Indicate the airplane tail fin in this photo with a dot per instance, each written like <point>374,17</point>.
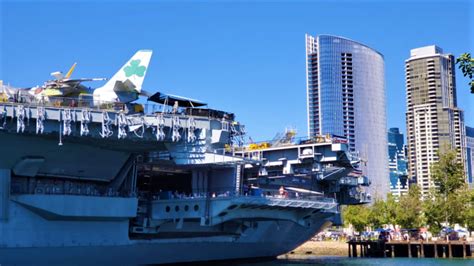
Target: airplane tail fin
<point>69,73</point>
<point>58,75</point>
<point>131,75</point>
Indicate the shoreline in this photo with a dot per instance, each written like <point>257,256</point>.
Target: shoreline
<point>327,248</point>
<point>320,249</point>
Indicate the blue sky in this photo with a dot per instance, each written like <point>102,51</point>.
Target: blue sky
<point>244,57</point>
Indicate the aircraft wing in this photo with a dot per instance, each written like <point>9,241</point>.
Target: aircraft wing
<point>81,80</point>
<point>72,82</point>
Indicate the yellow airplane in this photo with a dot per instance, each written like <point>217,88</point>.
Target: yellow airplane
<point>63,86</point>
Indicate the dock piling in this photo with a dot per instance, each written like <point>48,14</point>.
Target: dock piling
<point>464,249</point>
<point>450,250</point>
<point>422,255</point>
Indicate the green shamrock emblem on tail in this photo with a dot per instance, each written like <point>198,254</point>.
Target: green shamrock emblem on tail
<point>134,69</point>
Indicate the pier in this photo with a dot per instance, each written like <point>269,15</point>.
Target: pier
<point>410,249</point>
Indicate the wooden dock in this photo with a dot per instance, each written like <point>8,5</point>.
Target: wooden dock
<point>410,249</point>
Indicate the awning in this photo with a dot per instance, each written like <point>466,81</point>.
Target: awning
<point>170,100</point>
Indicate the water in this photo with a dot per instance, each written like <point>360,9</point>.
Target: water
<point>343,261</point>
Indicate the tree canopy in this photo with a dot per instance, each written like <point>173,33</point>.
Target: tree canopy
<point>450,201</point>
<point>410,209</point>
<point>357,215</point>
<point>466,64</point>
<point>447,202</point>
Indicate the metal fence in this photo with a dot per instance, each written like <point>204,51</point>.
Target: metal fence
<point>226,192</point>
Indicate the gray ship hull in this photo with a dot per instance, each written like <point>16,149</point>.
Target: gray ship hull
<point>141,197</point>
<point>269,239</point>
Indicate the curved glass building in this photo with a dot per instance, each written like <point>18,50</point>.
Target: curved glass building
<point>346,97</point>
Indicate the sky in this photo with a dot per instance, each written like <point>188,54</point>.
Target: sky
<point>239,56</point>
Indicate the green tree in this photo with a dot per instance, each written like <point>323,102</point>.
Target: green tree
<point>357,215</point>
<point>391,208</point>
<point>376,214</point>
<point>449,209</point>
<point>409,213</point>
<point>383,212</point>
<point>466,64</point>
<point>469,213</point>
<point>448,172</point>
<point>447,202</point>
<point>434,211</point>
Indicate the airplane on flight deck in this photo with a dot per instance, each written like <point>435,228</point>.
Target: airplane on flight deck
<point>124,87</point>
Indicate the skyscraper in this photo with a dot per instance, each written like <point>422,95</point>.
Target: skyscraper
<point>470,156</point>
<point>346,97</point>
<point>397,163</point>
<point>434,123</point>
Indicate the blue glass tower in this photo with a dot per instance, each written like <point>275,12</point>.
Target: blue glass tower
<point>346,97</point>
<point>397,162</point>
<point>470,156</point>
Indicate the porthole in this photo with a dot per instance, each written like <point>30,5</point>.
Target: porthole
<point>196,207</point>
<point>168,209</point>
<point>176,208</point>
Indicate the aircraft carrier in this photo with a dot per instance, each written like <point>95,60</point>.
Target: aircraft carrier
<point>82,182</point>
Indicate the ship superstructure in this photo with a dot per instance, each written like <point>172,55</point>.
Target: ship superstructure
<point>172,182</point>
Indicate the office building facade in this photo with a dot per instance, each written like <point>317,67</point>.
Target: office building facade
<point>397,163</point>
<point>346,97</point>
<point>470,156</point>
<point>433,121</point>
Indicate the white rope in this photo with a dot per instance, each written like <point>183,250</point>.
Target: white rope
<point>67,118</point>
<point>20,122</point>
<point>122,126</point>
<point>3,115</point>
<point>160,128</point>
<point>191,129</point>
<point>60,143</point>
<point>28,115</point>
<point>40,116</point>
<point>175,137</point>
<point>143,126</point>
<point>106,124</point>
<point>85,120</point>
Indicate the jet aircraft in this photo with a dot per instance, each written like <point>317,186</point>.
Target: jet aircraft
<point>124,87</point>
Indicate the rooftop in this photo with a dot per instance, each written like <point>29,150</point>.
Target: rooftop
<point>425,51</point>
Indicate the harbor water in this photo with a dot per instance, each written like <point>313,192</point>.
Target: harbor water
<point>343,261</point>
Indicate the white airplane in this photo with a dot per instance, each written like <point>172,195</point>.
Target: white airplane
<point>126,85</point>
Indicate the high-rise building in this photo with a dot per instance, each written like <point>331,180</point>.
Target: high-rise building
<point>397,163</point>
<point>470,156</point>
<point>434,123</point>
<point>346,97</point>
